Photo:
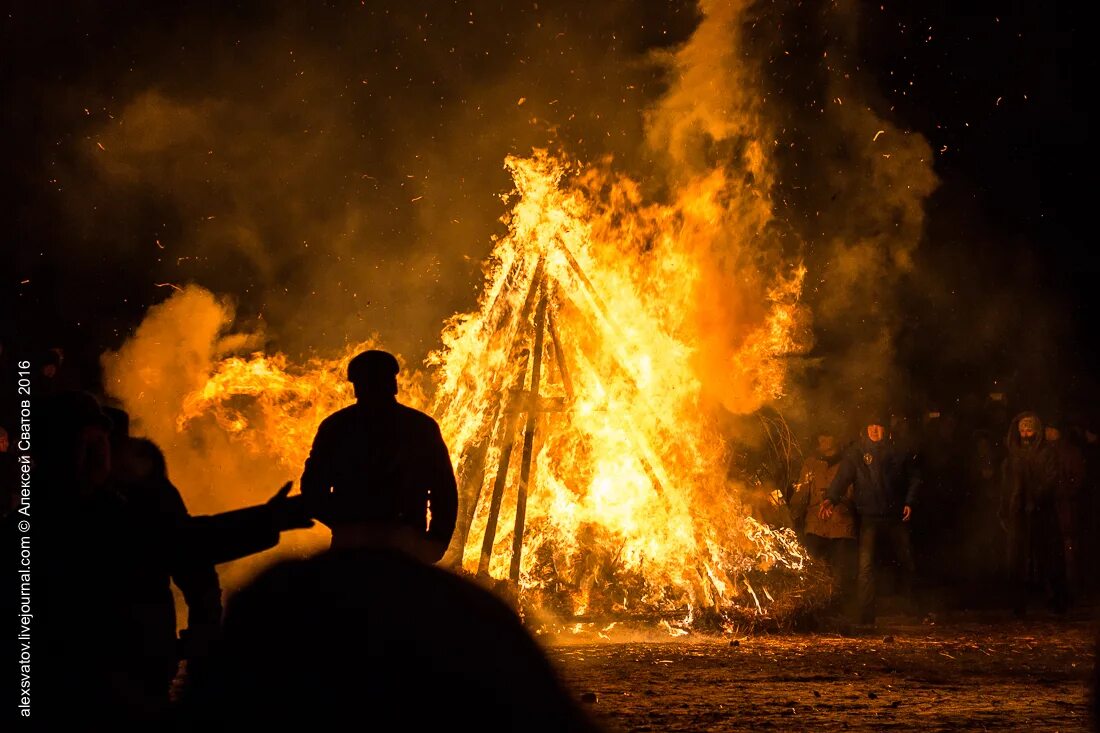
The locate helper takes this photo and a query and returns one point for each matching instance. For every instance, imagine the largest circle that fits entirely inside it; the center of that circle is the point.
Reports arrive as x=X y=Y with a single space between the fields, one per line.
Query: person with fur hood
x=1029 y=512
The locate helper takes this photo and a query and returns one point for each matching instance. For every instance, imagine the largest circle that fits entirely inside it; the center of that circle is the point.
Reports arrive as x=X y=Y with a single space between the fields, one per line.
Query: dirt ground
x=969 y=672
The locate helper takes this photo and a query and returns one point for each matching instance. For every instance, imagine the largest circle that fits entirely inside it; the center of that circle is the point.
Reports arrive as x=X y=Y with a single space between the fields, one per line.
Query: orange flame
x=628 y=487
x=629 y=508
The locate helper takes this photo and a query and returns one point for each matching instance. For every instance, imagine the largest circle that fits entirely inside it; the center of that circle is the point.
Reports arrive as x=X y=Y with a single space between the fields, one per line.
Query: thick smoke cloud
x=337 y=169
x=853 y=184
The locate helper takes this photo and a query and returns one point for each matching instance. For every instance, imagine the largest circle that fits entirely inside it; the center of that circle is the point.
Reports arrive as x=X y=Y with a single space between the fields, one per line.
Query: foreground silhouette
x=109 y=540
x=372 y=638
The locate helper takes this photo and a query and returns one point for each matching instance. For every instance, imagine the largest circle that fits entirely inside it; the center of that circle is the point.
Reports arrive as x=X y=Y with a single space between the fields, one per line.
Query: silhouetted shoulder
x=417 y=418
x=338 y=419
x=372 y=634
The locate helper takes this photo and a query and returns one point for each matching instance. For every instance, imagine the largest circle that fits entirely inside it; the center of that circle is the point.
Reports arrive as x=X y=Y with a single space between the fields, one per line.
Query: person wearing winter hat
x=885 y=483
x=1035 y=548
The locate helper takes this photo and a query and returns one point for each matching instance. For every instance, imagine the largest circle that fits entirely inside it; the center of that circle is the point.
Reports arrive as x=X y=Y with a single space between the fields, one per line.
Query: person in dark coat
x=105 y=619
x=141 y=475
x=1030 y=512
x=985 y=542
x=379 y=472
x=885 y=483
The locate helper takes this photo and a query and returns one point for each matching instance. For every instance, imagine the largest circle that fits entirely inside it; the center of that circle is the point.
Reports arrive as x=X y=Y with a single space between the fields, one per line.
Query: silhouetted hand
x=906 y=512
x=826 y=510
x=288 y=512
x=282 y=493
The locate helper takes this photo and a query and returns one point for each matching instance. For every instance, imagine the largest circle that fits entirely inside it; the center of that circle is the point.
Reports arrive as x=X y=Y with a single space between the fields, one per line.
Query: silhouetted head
x=75 y=441
x=875 y=424
x=1053 y=428
x=374 y=374
x=50 y=362
x=137 y=460
x=826 y=444
x=1029 y=427
x=120 y=421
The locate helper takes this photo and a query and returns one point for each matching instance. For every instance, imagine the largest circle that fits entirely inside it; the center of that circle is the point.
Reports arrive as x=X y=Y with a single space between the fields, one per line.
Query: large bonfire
x=591 y=468
x=581 y=401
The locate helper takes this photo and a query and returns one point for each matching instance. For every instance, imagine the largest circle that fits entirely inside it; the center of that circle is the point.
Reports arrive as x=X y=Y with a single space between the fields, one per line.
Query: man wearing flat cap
x=379 y=474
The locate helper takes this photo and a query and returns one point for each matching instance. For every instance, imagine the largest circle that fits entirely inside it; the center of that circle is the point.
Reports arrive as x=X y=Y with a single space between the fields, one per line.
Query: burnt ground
x=968 y=672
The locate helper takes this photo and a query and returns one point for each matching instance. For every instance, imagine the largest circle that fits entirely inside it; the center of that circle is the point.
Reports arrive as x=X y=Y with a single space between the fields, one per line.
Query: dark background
x=1003 y=296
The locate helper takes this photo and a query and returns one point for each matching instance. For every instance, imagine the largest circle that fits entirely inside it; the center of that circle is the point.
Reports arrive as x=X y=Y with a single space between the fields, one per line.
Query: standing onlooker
x=830 y=540
x=984 y=544
x=940 y=531
x=885 y=485
x=379 y=472
x=1067 y=494
x=1034 y=539
x=1090 y=506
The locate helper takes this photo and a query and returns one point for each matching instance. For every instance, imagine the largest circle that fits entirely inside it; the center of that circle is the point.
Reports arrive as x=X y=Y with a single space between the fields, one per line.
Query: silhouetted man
x=379 y=472
x=885 y=485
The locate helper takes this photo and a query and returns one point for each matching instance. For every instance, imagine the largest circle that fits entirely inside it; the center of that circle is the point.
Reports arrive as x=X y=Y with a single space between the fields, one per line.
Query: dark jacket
x=1031 y=482
x=1031 y=471
x=1071 y=471
x=884 y=478
x=381 y=463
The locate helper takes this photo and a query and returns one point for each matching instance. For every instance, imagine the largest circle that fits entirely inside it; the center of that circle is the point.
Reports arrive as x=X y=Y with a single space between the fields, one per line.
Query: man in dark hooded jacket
x=1029 y=510
x=885 y=482
x=379 y=474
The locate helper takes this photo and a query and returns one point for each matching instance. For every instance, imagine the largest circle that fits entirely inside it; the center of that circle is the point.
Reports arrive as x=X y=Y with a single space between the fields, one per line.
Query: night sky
x=382 y=103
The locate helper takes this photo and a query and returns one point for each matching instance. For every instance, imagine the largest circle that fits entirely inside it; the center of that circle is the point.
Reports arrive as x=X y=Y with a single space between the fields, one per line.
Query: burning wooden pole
x=559 y=357
x=529 y=437
x=508 y=435
x=473 y=479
